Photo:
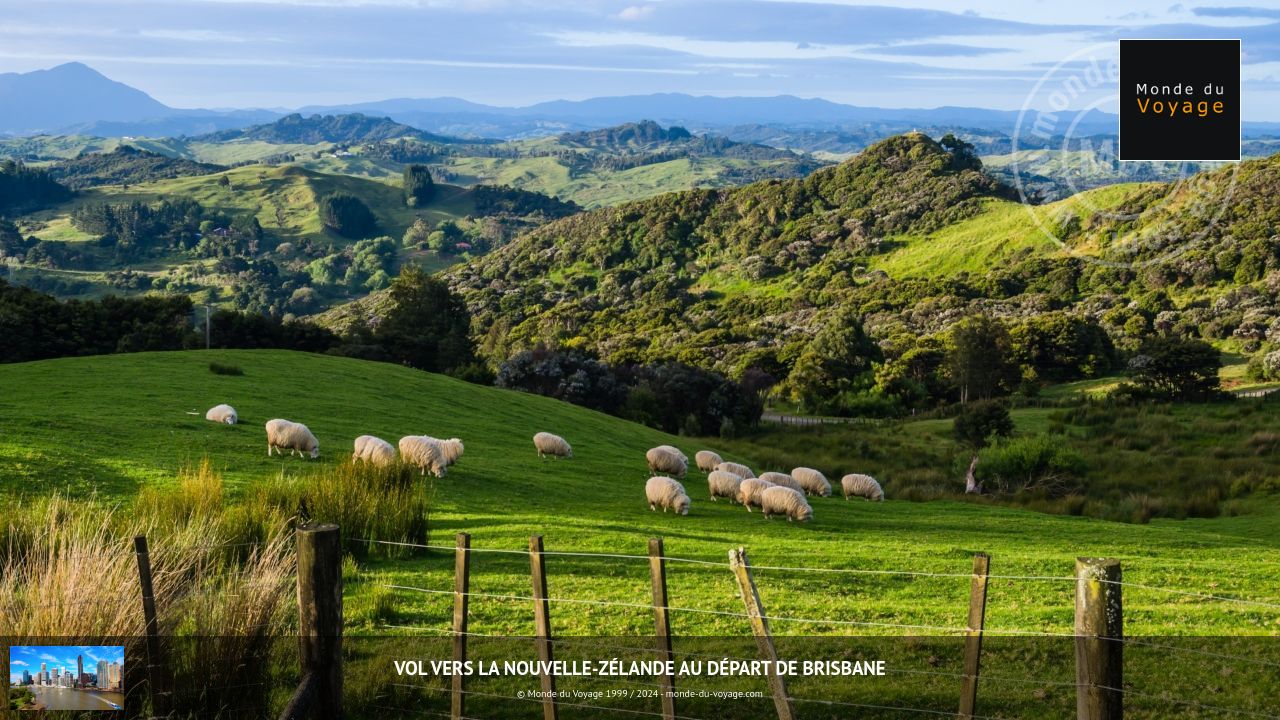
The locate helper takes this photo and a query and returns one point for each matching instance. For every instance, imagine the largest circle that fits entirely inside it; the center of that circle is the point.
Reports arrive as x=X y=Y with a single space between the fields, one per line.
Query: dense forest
x=127 y=165
x=25 y=189
x=772 y=278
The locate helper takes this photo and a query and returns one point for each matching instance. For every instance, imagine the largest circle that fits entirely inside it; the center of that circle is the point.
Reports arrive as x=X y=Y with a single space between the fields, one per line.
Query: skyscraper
x=79 y=671
x=114 y=681
x=44 y=673
x=102 y=680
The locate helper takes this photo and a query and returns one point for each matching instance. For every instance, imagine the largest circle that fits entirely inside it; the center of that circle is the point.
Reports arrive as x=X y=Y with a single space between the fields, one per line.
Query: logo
x=1180 y=100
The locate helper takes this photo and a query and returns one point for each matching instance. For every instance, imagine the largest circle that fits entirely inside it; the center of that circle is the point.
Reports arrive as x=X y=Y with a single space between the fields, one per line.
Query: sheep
x=666 y=493
x=749 y=491
x=783 y=479
x=738 y=469
x=863 y=486
x=452 y=450
x=222 y=414
x=424 y=453
x=813 y=482
x=373 y=450
x=707 y=460
x=295 y=437
x=676 y=451
x=552 y=445
x=785 y=501
x=723 y=484
x=663 y=459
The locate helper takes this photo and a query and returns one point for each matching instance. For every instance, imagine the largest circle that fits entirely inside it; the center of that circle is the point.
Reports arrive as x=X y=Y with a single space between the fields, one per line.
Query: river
x=55 y=698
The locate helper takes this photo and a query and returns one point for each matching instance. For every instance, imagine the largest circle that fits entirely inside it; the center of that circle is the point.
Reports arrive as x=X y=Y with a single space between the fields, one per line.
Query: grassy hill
x=132 y=425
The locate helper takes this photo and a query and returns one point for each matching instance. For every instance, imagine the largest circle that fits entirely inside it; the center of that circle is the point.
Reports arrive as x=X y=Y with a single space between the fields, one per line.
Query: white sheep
x=749 y=491
x=707 y=460
x=863 y=486
x=553 y=445
x=295 y=437
x=222 y=414
x=373 y=450
x=666 y=493
x=424 y=453
x=813 y=482
x=723 y=484
x=452 y=450
x=738 y=469
x=783 y=479
x=677 y=451
x=785 y=501
x=666 y=459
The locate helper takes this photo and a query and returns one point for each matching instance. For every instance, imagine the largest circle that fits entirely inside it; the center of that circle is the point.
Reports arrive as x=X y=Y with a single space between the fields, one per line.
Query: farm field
x=102 y=428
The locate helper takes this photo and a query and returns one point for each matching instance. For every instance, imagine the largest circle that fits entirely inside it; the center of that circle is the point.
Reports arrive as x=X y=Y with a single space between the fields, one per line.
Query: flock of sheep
x=775 y=493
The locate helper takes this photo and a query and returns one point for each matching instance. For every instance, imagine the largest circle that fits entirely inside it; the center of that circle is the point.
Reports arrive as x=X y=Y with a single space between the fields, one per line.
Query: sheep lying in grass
x=749 y=491
x=783 y=479
x=723 y=485
x=863 y=486
x=452 y=450
x=813 y=482
x=785 y=501
x=707 y=460
x=666 y=459
x=222 y=414
x=738 y=469
x=552 y=445
x=373 y=450
x=665 y=493
x=424 y=453
x=295 y=437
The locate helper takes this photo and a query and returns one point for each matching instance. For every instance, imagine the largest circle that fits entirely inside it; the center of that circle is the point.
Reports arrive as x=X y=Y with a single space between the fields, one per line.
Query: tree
x=1174 y=368
x=974 y=427
x=980 y=358
x=418 y=186
x=427 y=326
x=839 y=353
x=347 y=215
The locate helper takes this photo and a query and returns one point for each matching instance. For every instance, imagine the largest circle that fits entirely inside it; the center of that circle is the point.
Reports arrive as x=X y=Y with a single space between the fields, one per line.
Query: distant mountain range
x=76 y=99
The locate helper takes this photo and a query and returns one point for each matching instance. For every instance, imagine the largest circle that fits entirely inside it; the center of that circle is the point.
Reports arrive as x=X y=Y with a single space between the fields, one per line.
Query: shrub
x=1033 y=463
x=347 y=215
x=220 y=369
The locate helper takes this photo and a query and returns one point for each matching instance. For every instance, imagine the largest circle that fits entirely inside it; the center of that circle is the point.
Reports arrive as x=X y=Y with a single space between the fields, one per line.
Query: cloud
x=48 y=657
x=635 y=12
x=1236 y=12
x=937 y=50
x=19 y=662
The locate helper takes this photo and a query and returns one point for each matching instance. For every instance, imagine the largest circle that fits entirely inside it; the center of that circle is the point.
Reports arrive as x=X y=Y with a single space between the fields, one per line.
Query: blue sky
x=29 y=657
x=908 y=53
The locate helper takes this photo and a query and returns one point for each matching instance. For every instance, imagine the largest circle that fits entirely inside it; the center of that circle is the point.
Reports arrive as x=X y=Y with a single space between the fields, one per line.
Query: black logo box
x=1186 y=65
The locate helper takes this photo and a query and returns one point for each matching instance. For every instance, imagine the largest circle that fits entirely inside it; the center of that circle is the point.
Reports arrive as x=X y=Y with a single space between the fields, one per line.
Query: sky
x=29 y=657
x=900 y=53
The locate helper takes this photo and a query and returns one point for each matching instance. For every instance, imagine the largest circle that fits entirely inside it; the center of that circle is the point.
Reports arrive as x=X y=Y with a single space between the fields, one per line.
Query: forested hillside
x=126 y=165
x=781 y=277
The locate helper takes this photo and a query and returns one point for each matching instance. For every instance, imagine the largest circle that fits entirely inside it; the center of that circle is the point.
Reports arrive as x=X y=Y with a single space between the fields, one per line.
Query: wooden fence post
x=973 y=635
x=320 y=617
x=760 y=627
x=155 y=661
x=542 y=627
x=662 y=625
x=1099 y=640
x=461 y=586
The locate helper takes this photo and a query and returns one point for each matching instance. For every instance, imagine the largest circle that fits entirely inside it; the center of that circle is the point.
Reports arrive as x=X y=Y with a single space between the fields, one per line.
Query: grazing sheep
x=662 y=459
x=707 y=460
x=452 y=450
x=373 y=450
x=813 y=482
x=785 y=501
x=723 y=484
x=749 y=492
x=863 y=486
x=668 y=494
x=552 y=445
x=424 y=453
x=738 y=469
x=677 y=451
x=295 y=437
x=783 y=479
x=222 y=414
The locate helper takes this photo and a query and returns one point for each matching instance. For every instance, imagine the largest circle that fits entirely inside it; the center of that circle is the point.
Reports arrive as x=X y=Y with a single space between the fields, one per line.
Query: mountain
x=67 y=95
x=348 y=128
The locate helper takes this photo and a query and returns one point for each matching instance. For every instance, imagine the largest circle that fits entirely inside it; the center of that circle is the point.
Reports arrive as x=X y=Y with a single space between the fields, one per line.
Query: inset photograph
x=66 y=677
